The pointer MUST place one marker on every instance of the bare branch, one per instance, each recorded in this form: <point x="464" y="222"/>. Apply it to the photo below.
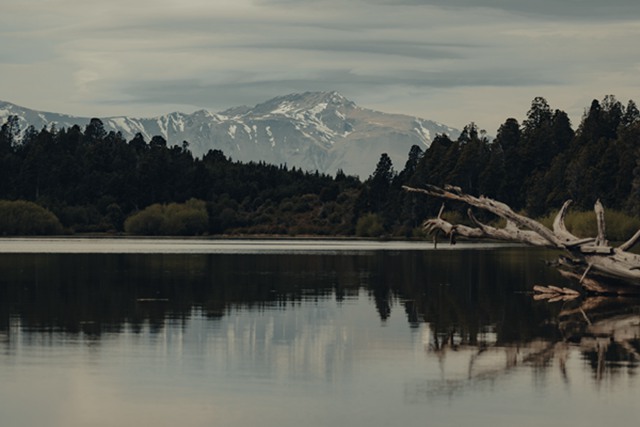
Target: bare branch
<point x="558" y="223"/>
<point x="497" y="208"/>
<point x="601" y="240"/>
<point x="593" y="256"/>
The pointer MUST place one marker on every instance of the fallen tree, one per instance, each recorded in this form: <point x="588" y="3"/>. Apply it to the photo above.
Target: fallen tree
<point x="598" y="266"/>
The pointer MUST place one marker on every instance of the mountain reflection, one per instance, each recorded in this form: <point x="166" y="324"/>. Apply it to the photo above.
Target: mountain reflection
<point x="475" y="302"/>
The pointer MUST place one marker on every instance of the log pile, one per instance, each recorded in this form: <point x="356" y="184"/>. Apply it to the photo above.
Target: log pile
<point x="598" y="266"/>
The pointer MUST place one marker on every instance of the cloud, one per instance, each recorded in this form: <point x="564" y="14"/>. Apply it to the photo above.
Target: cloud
<point x="422" y="57"/>
<point x="561" y="9"/>
<point x="565" y="9"/>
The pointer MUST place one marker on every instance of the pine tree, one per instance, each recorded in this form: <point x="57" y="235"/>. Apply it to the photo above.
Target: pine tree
<point x="472" y="159"/>
<point x="509" y="138"/>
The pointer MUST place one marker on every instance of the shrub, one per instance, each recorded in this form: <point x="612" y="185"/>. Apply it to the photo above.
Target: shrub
<point x="176" y="219"/>
<point x="369" y="225"/>
<point x="26" y="218"/>
<point x="419" y="233"/>
<point x="147" y="222"/>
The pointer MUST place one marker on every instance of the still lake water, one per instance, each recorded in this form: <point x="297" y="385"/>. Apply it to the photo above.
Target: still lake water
<point x="304" y="333"/>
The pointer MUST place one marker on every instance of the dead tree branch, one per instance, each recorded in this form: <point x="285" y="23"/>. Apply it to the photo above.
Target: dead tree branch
<point x="593" y="256"/>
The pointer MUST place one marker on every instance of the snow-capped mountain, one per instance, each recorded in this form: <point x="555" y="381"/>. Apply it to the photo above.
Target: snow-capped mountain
<point x="321" y="131"/>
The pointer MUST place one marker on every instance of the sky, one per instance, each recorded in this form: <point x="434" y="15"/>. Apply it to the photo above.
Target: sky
<point x="452" y="61"/>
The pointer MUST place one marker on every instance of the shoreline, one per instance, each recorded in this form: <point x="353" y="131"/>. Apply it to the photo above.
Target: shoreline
<point x="156" y="245"/>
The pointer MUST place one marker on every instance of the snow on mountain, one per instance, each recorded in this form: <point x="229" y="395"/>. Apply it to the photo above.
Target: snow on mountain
<point x="321" y="131"/>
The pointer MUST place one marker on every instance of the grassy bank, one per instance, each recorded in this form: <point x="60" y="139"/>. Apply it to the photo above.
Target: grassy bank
<point x="619" y="225"/>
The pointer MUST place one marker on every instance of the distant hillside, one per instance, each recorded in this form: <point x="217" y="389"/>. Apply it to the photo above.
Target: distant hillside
<point x="321" y="131"/>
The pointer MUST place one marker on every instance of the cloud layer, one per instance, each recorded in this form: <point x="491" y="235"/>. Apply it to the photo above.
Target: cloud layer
<point x="454" y="61"/>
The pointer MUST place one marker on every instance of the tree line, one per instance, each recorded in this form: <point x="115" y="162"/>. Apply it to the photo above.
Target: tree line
<point x="97" y="181"/>
<point x="93" y="180"/>
<point x="533" y="166"/>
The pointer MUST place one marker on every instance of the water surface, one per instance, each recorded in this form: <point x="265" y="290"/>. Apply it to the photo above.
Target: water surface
<point x="321" y="333"/>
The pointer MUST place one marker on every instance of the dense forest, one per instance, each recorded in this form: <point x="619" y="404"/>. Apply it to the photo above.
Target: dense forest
<point x="90" y="180"/>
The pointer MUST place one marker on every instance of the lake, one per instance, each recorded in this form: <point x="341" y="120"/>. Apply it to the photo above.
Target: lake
<point x="154" y="332"/>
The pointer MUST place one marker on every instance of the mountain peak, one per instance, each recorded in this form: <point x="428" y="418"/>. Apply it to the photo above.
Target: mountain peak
<point x="312" y="130"/>
<point x="333" y="98"/>
<point x="296" y="103"/>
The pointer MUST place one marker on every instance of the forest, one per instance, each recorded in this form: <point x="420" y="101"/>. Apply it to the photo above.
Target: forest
<point x="67" y="181"/>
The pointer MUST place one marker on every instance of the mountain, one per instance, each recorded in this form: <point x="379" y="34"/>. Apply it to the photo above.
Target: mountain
<point x="321" y="131"/>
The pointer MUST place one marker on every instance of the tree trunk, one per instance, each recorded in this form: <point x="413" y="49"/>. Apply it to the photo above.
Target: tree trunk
<point x="600" y="267"/>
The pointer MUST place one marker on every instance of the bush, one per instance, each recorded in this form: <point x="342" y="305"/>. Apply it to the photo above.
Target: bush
<point x="19" y="218"/>
<point x="419" y="233"/>
<point x="369" y="225"/>
<point x="176" y="219"/>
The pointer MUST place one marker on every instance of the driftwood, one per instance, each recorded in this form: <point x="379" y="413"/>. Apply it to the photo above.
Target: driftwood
<point x="554" y="293"/>
<point x="599" y="267"/>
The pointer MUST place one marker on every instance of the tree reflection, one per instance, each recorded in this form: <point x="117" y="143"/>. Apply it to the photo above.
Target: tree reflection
<point x="604" y="331"/>
<point x="607" y="331"/>
<point x="475" y="302"/>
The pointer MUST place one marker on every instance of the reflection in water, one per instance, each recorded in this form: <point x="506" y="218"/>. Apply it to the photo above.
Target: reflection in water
<point x="465" y="290"/>
<point x="276" y="327"/>
<point x="472" y="299"/>
<point x="607" y="331"/>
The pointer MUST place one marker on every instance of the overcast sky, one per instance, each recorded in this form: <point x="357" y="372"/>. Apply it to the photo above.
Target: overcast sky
<point x="453" y="61"/>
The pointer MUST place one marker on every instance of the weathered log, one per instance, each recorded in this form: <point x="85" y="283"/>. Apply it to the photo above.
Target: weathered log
<point x="497" y="208"/>
<point x="554" y="292"/>
<point x="593" y="257"/>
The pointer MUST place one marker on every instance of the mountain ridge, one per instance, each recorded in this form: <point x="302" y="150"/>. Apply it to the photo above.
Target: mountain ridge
<point x="321" y="131"/>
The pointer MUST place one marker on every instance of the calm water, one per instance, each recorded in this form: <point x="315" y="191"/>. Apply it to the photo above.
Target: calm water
<point x="244" y="333"/>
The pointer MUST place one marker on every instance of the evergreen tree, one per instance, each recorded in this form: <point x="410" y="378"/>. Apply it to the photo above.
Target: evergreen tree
<point x="415" y="154"/>
<point x="375" y="196"/>
<point x="380" y="184"/>
<point x="631" y="114"/>
<point x="491" y="181"/>
<point x="95" y="131"/>
<point x="472" y="159"/>
<point x="538" y="145"/>
<point x="627" y="178"/>
<point x="9" y="133"/>
<point x="591" y="171"/>
<point x="138" y="142"/>
<point x="509" y="139"/>
<point x="436" y="162"/>
<point x="9" y="163"/>
<point x="407" y="208"/>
